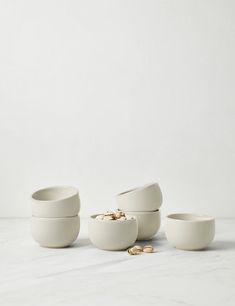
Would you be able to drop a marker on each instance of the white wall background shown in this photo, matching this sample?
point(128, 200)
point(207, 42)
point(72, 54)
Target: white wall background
point(109, 95)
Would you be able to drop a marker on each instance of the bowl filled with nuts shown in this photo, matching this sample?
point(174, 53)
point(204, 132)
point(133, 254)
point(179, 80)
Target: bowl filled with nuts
point(113, 231)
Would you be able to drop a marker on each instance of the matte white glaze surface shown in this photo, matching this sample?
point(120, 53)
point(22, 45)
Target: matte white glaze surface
point(148, 223)
point(58, 201)
point(112, 234)
point(189, 232)
point(55, 232)
point(146, 198)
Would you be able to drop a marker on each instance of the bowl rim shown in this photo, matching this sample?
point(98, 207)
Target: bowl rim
point(154, 212)
point(74, 192)
point(195, 218)
point(136, 189)
point(93, 217)
point(55, 218)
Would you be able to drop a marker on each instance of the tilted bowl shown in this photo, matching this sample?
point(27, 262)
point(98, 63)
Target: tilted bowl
point(54, 202)
point(146, 198)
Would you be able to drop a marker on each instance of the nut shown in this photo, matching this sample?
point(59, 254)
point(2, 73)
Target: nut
point(132, 251)
point(118, 215)
point(109, 213)
point(109, 217)
point(100, 217)
point(148, 249)
point(139, 248)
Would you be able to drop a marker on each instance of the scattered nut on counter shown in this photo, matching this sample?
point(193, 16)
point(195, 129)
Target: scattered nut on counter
point(139, 248)
point(110, 215)
point(135, 250)
point(148, 249)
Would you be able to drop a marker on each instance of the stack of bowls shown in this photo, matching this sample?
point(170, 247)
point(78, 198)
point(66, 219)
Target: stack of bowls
point(143, 203)
point(55, 221)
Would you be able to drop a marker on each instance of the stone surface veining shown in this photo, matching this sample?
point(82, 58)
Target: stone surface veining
point(83, 275)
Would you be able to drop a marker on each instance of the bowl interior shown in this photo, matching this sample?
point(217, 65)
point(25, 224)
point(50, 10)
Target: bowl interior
point(127, 191)
point(190, 217)
point(137, 189)
point(54, 193)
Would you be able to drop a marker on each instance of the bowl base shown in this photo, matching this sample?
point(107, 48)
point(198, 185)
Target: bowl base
point(55, 247)
point(192, 250)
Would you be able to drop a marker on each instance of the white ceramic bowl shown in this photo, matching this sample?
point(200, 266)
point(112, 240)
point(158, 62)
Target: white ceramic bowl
point(148, 223)
point(55, 202)
point(146, 198)
point(55, 232)
point(112, 235)
point(189, 232)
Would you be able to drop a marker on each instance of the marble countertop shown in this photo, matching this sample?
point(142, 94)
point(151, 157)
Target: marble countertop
point(83, 275)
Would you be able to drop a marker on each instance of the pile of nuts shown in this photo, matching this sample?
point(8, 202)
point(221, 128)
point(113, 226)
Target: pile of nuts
point(110, 215)
point(135, 250)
